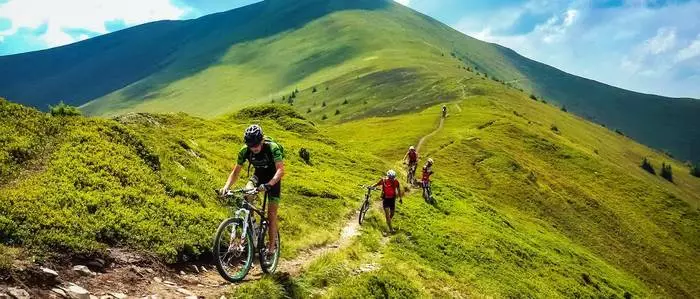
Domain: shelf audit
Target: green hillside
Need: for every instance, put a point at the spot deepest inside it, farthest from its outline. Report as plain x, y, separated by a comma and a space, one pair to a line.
522, 210
376, 51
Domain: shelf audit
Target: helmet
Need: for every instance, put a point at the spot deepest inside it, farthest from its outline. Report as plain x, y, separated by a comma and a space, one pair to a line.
411, 148
430, 161
391, 174
253, 135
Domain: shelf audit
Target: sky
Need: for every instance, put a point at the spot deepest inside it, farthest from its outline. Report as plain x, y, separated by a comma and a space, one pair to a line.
650, 46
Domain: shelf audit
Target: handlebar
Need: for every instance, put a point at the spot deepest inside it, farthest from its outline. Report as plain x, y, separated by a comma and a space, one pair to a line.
229, 193
369, 187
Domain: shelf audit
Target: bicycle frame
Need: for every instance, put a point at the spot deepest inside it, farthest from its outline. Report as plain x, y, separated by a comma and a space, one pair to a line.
245, 209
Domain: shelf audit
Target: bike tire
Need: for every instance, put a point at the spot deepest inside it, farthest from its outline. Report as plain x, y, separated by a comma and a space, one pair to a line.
363, 210
216, 251
268, 267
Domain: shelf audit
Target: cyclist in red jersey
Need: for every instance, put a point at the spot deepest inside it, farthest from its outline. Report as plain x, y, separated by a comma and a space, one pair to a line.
390, 190
412, 156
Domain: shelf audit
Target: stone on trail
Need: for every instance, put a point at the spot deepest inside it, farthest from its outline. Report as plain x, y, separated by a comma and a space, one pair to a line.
77, 292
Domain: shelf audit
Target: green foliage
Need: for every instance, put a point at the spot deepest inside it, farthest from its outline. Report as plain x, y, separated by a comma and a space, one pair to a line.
563, 108
646, 165
324, 117
337, 111
63, 109
695, 170
667, 172
323, 104
533, 97
554, 128
313, 90
7, 258
308, 110
345, 102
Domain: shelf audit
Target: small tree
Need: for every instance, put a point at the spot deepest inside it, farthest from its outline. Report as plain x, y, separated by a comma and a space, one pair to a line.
63, 109
667, 172
324, 117
533, 97
695, 170
296, 90
345, 102
554, 128
365, 102
313, 90
563, 108
308, 110
646, 165
337, 111
324, 104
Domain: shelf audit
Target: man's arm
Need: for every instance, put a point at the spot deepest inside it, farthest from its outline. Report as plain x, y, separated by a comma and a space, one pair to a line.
278, 174
378, 183
233, 177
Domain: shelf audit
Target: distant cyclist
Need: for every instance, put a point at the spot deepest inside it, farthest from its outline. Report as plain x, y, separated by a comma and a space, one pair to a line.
267, 157
444, 111
390, 191
412, 157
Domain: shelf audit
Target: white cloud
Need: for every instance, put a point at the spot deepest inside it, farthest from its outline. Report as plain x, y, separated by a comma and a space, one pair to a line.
693, 50
404, 2
652, 50
89, 15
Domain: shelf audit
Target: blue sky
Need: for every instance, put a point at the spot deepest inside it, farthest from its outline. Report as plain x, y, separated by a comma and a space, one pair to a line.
649, 46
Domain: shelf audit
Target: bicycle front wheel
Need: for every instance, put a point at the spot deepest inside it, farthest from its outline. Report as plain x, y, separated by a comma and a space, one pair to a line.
233, 252
268, 262
363, 211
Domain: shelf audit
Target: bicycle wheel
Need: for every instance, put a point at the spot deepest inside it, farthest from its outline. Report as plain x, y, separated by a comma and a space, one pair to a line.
233, 252
268, 264
363, 211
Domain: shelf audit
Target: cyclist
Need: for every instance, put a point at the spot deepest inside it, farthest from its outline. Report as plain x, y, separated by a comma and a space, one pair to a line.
267, 157
444, 111
427, 172
412, 156
390, 190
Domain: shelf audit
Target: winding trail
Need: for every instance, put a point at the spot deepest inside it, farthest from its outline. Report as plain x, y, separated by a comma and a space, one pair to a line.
422, 140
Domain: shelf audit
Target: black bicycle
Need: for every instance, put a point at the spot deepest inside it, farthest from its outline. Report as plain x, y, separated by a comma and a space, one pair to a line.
367, 203
427, 192
411, 177
238, 238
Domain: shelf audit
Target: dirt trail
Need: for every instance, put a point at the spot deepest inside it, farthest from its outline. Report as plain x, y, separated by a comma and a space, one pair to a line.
422, 140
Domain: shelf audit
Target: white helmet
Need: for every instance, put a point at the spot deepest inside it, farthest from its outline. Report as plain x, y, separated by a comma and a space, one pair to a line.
430, 161
391, 174
411, 148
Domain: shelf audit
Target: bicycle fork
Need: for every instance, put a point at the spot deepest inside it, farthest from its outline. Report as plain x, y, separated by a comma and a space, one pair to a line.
244, 215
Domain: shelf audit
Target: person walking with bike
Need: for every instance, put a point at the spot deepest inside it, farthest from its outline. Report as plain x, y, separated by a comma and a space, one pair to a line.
390, 190
412, 158
267, 157
444, 111
425, 179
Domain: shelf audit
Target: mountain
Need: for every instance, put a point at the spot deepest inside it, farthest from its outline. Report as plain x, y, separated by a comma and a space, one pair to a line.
370, 50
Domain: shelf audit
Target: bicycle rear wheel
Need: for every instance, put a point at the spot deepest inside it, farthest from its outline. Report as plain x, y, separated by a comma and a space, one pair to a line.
233, 252
268, 263
363, 210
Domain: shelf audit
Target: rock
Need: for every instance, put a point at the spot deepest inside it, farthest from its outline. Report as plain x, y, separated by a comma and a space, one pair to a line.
118, 295
152, 297
184, 292
158, 279
169, 283
83, 270
97, 264
48, 272
93, 297
191, 297
77, 292
60, 292
203, 268
106, 297
196, 270
222, 297
149, 270
182, 272
4, 296
18, 293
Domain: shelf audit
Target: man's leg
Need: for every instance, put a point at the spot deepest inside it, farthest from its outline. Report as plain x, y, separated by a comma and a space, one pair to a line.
272, 230
387, 212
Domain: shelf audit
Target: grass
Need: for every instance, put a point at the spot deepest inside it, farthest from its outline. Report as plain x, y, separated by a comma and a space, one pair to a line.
145, 181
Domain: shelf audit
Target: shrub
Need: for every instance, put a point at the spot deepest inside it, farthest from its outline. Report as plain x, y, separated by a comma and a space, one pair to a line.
313, 90
563, 108
533, 97
619, 132
305, 155
62, 109
554, 128
345, 102
667, 172
646, 165
308, 110
337, 111
324, 117
324, 104
695, 170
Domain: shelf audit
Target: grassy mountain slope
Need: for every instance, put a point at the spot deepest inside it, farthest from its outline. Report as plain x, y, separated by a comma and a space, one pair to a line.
369, 50
146, 181
522, 210
534, 200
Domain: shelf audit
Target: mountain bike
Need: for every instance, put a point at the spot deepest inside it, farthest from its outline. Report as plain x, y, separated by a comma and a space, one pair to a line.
427, 192
411, 177
367, 203
238, 238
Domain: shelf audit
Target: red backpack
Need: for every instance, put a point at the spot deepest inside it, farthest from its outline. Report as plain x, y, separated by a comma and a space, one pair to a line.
412, 156
389, 188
